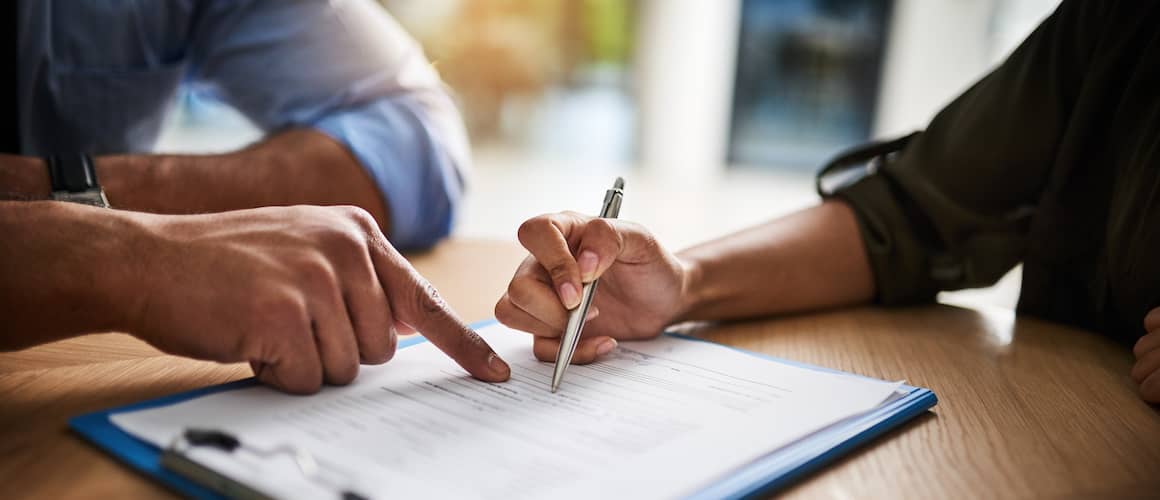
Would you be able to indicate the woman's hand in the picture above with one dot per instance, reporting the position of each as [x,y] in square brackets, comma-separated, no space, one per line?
[642,286]
[1147,350]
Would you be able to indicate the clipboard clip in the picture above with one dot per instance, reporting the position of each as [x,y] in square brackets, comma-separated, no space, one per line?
[175,458]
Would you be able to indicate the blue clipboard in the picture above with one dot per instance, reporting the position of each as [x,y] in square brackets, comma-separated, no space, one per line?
[764,475]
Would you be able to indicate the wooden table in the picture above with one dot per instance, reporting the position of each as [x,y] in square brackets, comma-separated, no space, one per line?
[1027,408]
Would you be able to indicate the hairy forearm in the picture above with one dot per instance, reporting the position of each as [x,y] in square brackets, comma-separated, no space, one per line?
[64,270]
[295,167]
[812,259]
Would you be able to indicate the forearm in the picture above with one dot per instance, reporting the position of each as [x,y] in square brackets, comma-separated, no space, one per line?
[23,178]
[65,269]
[812,259]
[296,167]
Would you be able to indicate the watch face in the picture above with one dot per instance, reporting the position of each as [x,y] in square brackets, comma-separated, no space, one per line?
[94,197]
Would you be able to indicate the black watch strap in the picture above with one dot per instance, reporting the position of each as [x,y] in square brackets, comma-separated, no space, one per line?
[73,173]
[9,82]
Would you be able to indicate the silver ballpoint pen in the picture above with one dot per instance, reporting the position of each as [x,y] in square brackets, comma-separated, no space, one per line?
[571,336]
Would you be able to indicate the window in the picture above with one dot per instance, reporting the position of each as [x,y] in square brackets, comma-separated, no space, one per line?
[807,79]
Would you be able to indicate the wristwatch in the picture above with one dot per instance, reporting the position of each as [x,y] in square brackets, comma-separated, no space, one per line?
[75,180]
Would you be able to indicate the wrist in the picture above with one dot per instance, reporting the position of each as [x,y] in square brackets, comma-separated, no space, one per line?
[692,286]
[68,269]
[128,181]
[127,267]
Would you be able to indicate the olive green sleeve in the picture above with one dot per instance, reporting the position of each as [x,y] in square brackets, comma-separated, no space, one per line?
[953,209]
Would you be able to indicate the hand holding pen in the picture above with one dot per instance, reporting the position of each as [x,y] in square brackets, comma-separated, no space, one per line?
[641,284]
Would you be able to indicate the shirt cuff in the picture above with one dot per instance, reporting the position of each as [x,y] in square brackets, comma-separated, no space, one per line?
[900,262]
[406,156]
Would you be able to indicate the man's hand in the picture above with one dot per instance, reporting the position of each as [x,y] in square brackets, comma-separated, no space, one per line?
[302,293]
[642,286]
[1147,350]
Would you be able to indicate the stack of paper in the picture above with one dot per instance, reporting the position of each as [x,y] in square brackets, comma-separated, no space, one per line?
[656,419]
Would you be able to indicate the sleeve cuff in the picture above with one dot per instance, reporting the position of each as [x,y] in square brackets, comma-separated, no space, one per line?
[901,265]
[404,153]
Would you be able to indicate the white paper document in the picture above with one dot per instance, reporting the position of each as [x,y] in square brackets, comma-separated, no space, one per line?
[654,419]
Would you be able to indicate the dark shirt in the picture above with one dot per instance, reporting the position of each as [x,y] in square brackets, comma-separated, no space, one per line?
[1052,160]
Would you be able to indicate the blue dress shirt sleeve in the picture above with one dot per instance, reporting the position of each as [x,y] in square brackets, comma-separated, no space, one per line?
[347,69]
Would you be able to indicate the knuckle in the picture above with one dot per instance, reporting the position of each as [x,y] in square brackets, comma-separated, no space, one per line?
[603,234]
[317,272]
[561,272]
[345,248]
[638,229]
[503,310]
[649,243]
[533,228]
[345,241]
[1152,323]
[427,301]
[391,346]
[519,292]
[577,216]
[304,212]
[374,354]
[292,379]
[378,345]
[353,212]
[361,217]
[303,386]
[601,228]
[344,373]
[543,350]
[278,309]
[1151,395]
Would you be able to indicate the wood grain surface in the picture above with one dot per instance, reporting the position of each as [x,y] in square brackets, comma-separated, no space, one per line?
[1027,409]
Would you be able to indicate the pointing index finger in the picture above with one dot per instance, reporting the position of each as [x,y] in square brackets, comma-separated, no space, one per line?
[443,328]
[416,302]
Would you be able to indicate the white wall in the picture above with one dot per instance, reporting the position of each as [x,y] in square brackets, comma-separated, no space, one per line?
[938,48]
[687,52]
[934,51]
[685,61]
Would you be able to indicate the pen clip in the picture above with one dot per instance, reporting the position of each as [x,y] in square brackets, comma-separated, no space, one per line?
[610,209]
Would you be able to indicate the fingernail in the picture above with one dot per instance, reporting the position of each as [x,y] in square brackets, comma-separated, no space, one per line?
[498,366]
[592,313]
[587,262]
[569,295]
[605,347]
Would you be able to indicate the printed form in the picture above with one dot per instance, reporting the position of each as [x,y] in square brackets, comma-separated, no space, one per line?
[654,419]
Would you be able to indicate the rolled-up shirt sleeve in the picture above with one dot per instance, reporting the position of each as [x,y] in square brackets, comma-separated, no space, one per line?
[953,209]
[404,151]
[350,71]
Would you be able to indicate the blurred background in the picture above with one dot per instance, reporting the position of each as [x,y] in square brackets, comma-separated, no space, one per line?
[717,113]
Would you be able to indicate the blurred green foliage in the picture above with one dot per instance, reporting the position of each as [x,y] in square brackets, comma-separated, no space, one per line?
[608,30]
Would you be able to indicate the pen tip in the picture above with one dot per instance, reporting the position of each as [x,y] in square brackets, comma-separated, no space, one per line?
[619,184]
[555,386]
